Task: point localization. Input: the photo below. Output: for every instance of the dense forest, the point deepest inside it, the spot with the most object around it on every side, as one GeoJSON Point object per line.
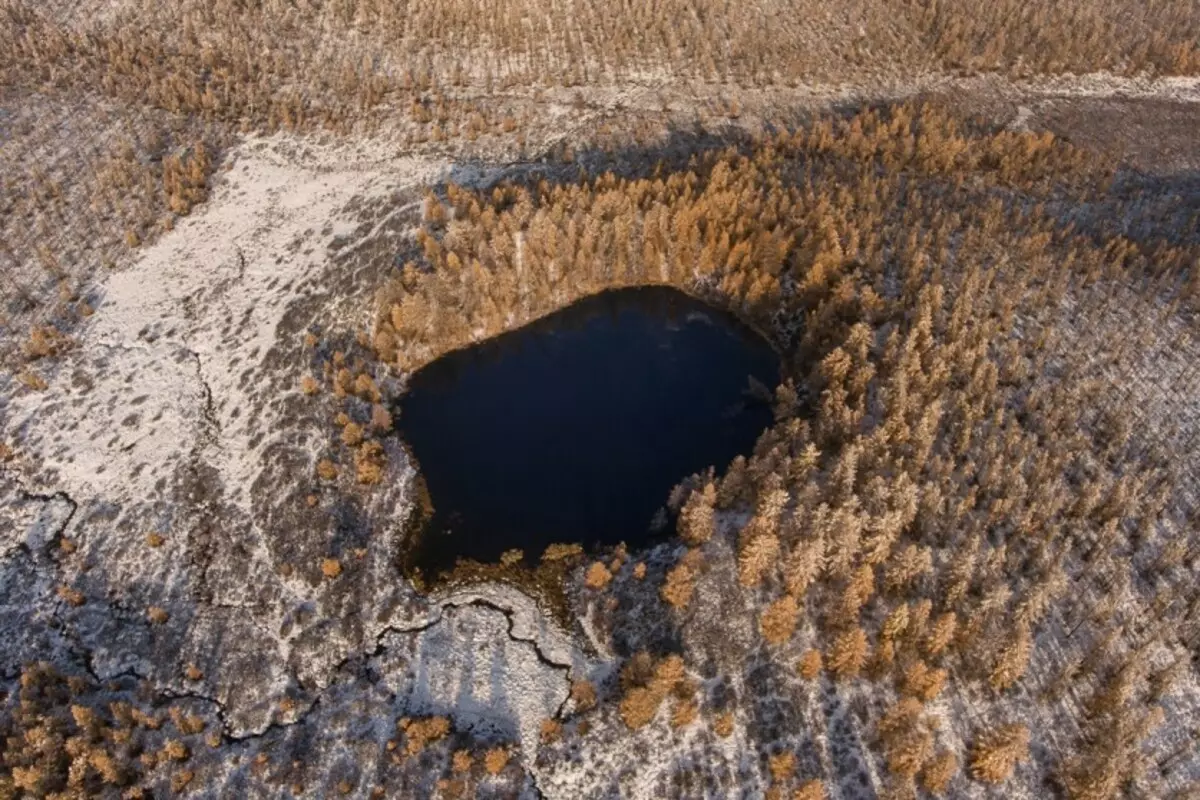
{"type": "Point", "coordinates": [943, 490]}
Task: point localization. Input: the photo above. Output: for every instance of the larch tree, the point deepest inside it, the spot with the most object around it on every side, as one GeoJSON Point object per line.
{"type": "Point", "coordinates": [1013, 659]}
{"type": "Point", "coordinates": [997, 751]}
{"type": "Point", "coordinates": [696, 519]}
{"type": "Point", "coordinates": [848, 654]}
{"type": "Point", "coordinates": [778, 620]}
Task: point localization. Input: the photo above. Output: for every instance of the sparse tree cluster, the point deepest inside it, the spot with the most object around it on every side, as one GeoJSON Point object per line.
{"type": "Point", "coordinates": [647, 683]}
{"type": "Point", "coordinates": [66, 737]}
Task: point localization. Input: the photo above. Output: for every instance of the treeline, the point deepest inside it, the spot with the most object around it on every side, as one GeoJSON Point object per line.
{"type": "Point", "coordinates": [942, 487]}
{"type": "Point", "coordinates": [802, 210]}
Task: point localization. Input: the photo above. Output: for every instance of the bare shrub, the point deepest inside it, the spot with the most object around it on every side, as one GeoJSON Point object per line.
{"type": "Point", "coordinates": [72, 597]}
{"type": "Point", "coordinates": [33, 381]}
{"type": "Point", "coordinates": [46, 341]}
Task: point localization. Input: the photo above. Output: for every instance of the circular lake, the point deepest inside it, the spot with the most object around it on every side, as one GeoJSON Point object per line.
{"type": "Point", "coordinates": [575, 427]}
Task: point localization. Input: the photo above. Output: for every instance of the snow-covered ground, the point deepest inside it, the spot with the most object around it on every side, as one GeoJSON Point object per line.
{"type": "Point", "coordinates": [179, 413]}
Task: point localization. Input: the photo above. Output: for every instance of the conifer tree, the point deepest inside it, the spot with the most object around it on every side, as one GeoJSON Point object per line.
{"type": "Point", "coordinates": [1013, 659]}
{"type": "Point", "coordinates": [696, 523]}
{"type": "Point", "coordinates": [778, 620]}
{"type": "Point", "coordinates": [848, 654]}
{"type": "Point", "coordinates": [938, 772]}
{"type": "Point", "coordinates": [997, 751]}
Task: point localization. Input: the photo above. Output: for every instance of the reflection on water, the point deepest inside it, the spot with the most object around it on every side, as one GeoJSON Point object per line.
{"type": "Point", "coordinates": [575, 427]}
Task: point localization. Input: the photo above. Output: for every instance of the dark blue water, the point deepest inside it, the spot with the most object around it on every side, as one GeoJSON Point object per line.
{"type": "Point", "coordinates": [576, 427]}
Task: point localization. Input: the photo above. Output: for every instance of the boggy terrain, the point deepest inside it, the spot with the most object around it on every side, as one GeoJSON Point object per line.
{"type": "Point", "coordinates": [960, 562]}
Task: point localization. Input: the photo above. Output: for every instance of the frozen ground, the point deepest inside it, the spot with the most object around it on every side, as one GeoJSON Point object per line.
{"type": "Point", "coordinates": [179, 413]}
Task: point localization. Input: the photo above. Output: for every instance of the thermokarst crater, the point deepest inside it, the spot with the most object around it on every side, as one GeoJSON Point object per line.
{"type": "Point", "coordinates": [575, 428]}
{"type": "Point", "coordinates": [576, 400]}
